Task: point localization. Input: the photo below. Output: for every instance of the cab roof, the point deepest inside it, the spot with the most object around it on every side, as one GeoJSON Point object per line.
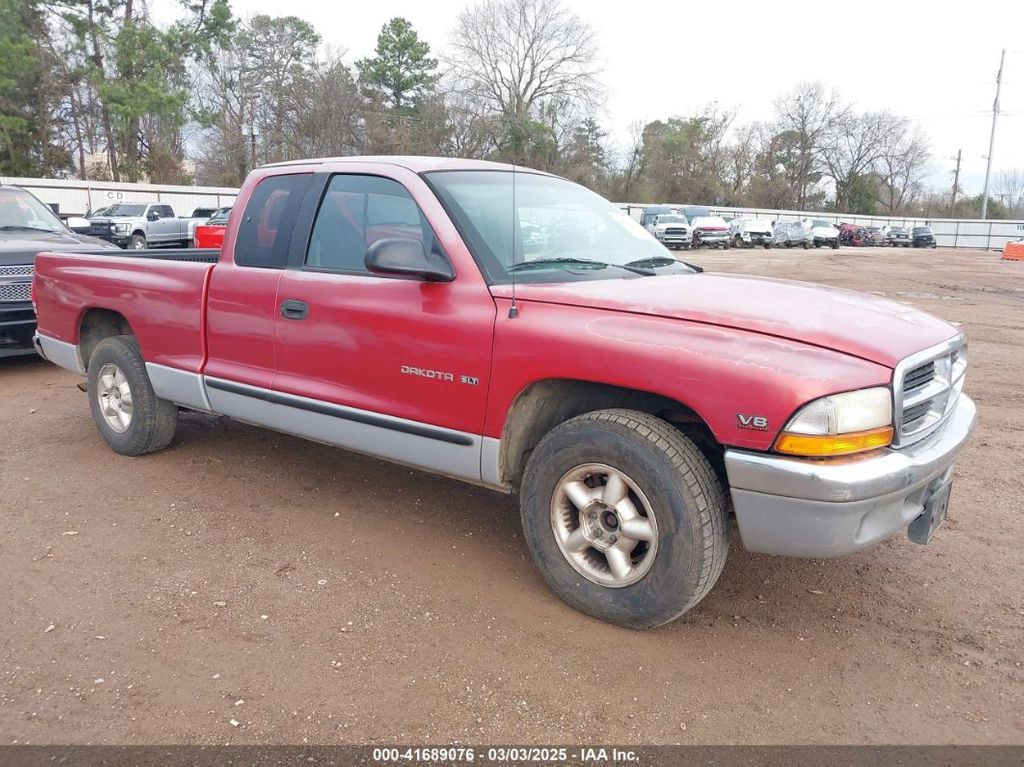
{"type": "Point", "coordinates": [415, 163]}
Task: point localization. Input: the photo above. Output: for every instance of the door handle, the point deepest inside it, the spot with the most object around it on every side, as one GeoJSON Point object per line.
{"type": "Point", "coordinates": [294, 310]}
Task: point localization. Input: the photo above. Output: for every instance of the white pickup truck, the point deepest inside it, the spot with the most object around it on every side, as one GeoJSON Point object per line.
{"type": "Point", "coordinates": [141, 225]}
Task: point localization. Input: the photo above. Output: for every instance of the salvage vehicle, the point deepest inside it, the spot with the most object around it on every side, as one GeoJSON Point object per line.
{"type": "Point", "coordinates": [651, 213]}
{"type": "Point", "coordinates": [749, 232]}
{"type": "Point", "coordinates": [710, 231]}
{"type": "Point", "coordinates": [211, 233]}
{"type": "Point", "coordinates": [898, 236]}
{"type": "Point", "coordinates": [824, 233]}
{"type": "Point", "coordinates": [876, 235]}
{"type": "Point", "coordinates": [923, 237]}
{"type": "Point", "coordinates": [26, 227]}
{"type": "Point", "coordinates": [139, 225]}
{"type": "Point", "coordinates": [853, 234]}
{"type": "Point", "coordinates": [386, 306]}
{"type": "Point", "coordinates": [792, 234]}
{"type": "Point", "coordinates": [673, 231]}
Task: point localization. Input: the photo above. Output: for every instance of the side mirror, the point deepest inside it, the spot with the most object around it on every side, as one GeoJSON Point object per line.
{"type": "Point", "coordinates": [407, 258]}
{"type": "Point", "coordinates": [78, 225]}
{"type": "Point", "coordinates": [152, 216]}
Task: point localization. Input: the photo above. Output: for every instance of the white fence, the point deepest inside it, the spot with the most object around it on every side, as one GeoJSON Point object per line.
{"type": "Point", "coordinates": [76, 198]}
{"type": "Point", "coordinates": [949, 232]}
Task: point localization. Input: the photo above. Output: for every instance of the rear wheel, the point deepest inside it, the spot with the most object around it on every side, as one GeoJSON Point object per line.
{"type": "Point", "coordinates": [806, 245]}
{"type": "Point", "coordinates": [624, 517]}
{"type": "Point", "coordinates": [128, 414]}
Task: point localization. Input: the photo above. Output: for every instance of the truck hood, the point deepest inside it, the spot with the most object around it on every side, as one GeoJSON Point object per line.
{"type": "Point", "coordinates": [859, 324]}
{"type": "Point", "coordinates": [21, 247]}
{"type": "Point", "coordinates": [757, 229]}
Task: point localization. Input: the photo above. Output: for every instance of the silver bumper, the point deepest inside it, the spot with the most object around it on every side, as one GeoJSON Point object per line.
{"type": "Point", "coordinates": [826, 508]}
{"type": "Point", "coordinates": [59, 353]}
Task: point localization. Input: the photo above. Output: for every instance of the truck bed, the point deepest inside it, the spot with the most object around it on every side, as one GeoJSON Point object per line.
{"type": "Point", "coordinates": [161, 293]}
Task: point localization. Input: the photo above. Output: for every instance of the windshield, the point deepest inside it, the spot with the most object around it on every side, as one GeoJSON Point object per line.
{"type": "Point", "coordinates": [922, 230]}
{"type": "Point", "coordinates": [671, 220]}
{"type": "Point", "coordinates": [570, 232]}
{"type": "Point", "coordinates": [899, 230]}
{"type": "Point", "coordinates": [20, 210]}
{"type": "Point", "coordinates": [819, 222]}
{"type": "Point", "coordinates": [220, 217]}
{"type": "Point", "coordinates": [124, 209]}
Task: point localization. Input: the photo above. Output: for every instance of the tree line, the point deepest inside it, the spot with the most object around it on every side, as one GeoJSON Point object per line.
{"type": "Point", "coordinates": [93, 89]}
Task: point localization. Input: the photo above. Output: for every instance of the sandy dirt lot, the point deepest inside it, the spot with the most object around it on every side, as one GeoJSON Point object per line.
{"type": "Point", "coordinates": [312, 595]}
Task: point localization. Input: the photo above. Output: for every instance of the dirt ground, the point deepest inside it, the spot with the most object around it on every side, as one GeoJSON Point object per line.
{"type": "Point", "coordinates": [312, 595]}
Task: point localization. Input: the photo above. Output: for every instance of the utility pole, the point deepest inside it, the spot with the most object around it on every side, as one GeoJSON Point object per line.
{"type": "Point", "coordinates": [956, 182]}
{"type": "Point", "coordinates": [992, 137]}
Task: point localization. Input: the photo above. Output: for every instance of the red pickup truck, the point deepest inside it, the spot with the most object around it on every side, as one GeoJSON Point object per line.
{"type": "Point", "coordinates": [512, 329]}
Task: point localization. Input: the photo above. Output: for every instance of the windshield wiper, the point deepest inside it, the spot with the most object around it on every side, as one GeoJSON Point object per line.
{"type": "Point", "coordinates": [587, 263]}
{"type": "Point", "coordinates": [20, 228]}
{"type": "Point", "coordinates": [654, 261]}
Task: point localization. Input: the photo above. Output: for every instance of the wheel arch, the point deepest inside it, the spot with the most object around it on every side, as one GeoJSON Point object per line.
{"type": "Point", "coordinates": [545, 404]}
{"type": "Point", "coordinates": [97, 324]}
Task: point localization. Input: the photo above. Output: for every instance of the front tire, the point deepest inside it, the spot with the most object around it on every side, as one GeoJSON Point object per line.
{"type": "Point", "coordinates": [138, 242]}
{"type": "Point", "coordinates": [128, 414]}
{"type": "Point", "coordinates": [624, 517]}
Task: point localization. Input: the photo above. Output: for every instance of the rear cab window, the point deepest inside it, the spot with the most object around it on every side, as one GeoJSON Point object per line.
{"type": "Point", "coordinates": [265, 231]}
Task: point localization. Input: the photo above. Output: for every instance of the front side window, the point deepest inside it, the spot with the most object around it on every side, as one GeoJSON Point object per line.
{"type": "Point", "coordinates": [357, 211]}
{"type": "Point", "coordinates": [545, 229]}
{"type": "Point", "coordinates": [265, 232]}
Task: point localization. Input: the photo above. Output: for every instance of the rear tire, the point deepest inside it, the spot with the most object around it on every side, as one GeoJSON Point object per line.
{"type": "Point", "coordinates": [667, 492]}
{"type": "Point", "coordinates": [806, 245]}
{"type": "Point", "coordinates": [128, 414]}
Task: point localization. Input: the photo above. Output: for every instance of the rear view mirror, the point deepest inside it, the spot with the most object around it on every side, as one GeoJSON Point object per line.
{"type": "Point", "coordinates": [407, 258]}
{"type": "Point", "coordinates": [78, 225]}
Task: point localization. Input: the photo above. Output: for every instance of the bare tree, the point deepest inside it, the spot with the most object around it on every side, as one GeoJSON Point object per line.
{"type": "Point", "coordinates": [852, 146]}
{"type": "Point", "coordinates": [903, 166]}
{"type": "Point", "coordinates": [522, 57]}
{"type": "Point", "coordinates": [807, 114]}
{"type": "Point", "coordinates": [1010, 191]}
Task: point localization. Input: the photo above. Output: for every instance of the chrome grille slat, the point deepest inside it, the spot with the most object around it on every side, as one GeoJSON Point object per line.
{"type": "Point", "coordinates": [925, 388]}
{"type": "Point", "coordinates": [16, 283]}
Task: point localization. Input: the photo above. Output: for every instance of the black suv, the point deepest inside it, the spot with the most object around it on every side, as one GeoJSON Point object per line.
{"type": "Point", "coordinates": [923, 237]}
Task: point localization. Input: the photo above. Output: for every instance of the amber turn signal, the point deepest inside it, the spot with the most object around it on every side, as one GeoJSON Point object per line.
{"type": "Point", "coordinates": [828, 445]}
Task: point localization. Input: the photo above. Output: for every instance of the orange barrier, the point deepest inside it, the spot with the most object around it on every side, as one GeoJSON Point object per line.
{"type": "Point", "coordinates": [1014, 251]}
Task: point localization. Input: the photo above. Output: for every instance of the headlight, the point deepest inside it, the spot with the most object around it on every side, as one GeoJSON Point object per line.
{"type": "Point", "coordinates": [123, 228]}
{"type": "Point", "coordinates": [840, 424]}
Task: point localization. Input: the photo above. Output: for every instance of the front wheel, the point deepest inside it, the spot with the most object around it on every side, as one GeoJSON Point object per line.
{"type": "Point", "coordinates": [128, 414]}
{"type": "Point", "coordinates": [624, 517]}
{"type": "Point", "coordinates": [806, 245]}
{"type": "Point", "coordinates": [137, 242]}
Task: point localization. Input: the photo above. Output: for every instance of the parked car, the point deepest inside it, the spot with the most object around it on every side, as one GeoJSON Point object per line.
{"type": "Point", "coordinates": [98, 212]}
{"type": "Point", "coordinates": [673, 231]}
{"type": "Point", "coordinates": [792, 234]}
{"type": "Point", "coordinates": [26, 227]}
{"type": "Point", "coordinates": [824, 233]}
{"type": "Point", "coordinates": [625, 395]}
{"type": "Point", "coordinates": [651, 213]}
{"type": "Point", "coordinates": [139, 225]}
{"type": "Point", "coordinates": [923, 237]}
{"type": "Point", "coordinates": [852, 234]}
{"type": "Point", "coordinates": [749, 232]}
{"type": "Point", "coordinates": [898, 236]}
{"type": "Point", "coordinates": [211, 233]}
{"type": "Point", "coordinates": [710, 231]}
{"type": "Point", "coordinates": [876, 235]}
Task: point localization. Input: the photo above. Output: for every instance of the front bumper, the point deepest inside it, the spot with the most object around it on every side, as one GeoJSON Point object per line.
{"type": "Point", "coordinates": [17, 324]}
{"type": "Point", "coordinates": [826, 508]}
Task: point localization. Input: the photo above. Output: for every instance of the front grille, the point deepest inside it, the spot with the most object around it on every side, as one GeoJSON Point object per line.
{"type": "Point", "coordinates": [100, 230]}
{"type": "Point", "coordinates": [11, 292]}
{"type": "Point", "coordinates": [927, 386]}
{"type": "Point", "coordinates": [12, 289]}
{"type": "Point", "coordinates": [675, 231]}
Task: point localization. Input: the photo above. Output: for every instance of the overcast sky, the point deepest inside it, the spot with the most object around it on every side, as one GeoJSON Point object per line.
{"type": "Point", "coordinates": [932, 62]}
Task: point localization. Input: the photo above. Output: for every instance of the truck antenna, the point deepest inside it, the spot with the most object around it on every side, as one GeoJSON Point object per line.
{"type": "Point", "coordinates": [513, 310]}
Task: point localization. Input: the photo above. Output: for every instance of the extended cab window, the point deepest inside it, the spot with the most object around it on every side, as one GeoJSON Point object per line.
{"type": "Point", "coordinates": [165, 211]}
{"type": "Point", "coordinates": [266, 227]}
{"type": "Point", "coordinates": [355, 212]}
